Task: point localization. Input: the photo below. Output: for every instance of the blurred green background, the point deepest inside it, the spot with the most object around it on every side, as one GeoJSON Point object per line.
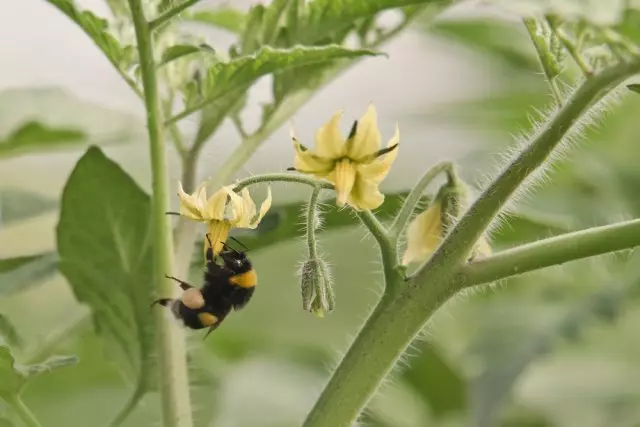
{"type": "Point", "coordinates": [557, 347]}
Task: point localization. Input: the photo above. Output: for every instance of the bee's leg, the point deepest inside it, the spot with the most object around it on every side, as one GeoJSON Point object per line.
{"type": "Point", "coordinates": [211, 329]}
{"type": "Point", "coordinates": [209, 254]}
{"type": "Point", "coordinates": [162, 301]}
{"type": "Point", "coordinates": [183, 285]}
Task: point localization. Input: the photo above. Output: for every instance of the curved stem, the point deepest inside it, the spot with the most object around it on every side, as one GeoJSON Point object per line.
{"type": "Point", "coordinates": [409, 205]}
{"type": "Point", "coordinates": [552, 251]}
{"type": "Point", "coordinates": [311, 222]}
{"type": "Point", "coordinates": [401, 315]}
{"type": "Point", "coordinates": [23, 411]}
{"type": "Point", "coordinates": [282, 177]}
{"type": "Point", "coordinates": [174, 383]}
{"type": "Point", "coordinates": [464, 235]}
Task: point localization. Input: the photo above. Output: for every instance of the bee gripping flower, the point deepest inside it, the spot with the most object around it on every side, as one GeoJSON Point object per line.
{"type": "Point", "coordinates": [224, 210]}
{"type": "Point", "coordinates": [317, 288]}
{"type": "Point", "coordinates": [355, 165]}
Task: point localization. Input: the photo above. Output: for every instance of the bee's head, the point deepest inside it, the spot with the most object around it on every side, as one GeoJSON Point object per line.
{"type": "Point", "coordinates": [234, 260]}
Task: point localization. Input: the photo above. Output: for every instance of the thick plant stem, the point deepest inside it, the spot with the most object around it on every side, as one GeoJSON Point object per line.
{"type": "Point", "coordinates": [22, 411]}
{"type": "Point", "coordinates": [174, 383]}
{"type": "Point", "coordinates": [464, 235]}
{"type": "Point", "coordinates": [553, 251]}
{"type": "Point", "coordinates": [399, 318]}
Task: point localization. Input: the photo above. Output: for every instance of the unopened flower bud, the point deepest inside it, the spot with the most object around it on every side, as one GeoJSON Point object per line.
{"type": "Point", "coordinates": [428, 228]}
{"type": "Point", "coordinates": [316, 287]}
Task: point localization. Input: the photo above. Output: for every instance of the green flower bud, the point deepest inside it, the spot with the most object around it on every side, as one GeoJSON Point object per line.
{"type": "Point", "coordinates": [316, 287]}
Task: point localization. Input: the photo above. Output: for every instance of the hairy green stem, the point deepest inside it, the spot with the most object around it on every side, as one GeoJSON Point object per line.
{"type": "Point", "coordinates": [552, 251]}
{"type": "Point", "coordinates": [397, 320]}
{"type": "Point", "coordinates": [569, 45]}
{"type": "Point", "coordinates": [174, 383]}
{"type": "Point", "coordinates": [464, 235]}
{"type": "Point", "coordinates": [282, 177]}
{"type": "Point", "coordinates": [311, 222]}
{"type": "Point", "coordinates": [166, 16]}
{"type": "Point", "coordinates": [25, 414]}
{"type": "Point", "coordinates": [409, 205]}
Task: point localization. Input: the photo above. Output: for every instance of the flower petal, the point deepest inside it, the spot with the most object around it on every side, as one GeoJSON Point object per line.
{"type": "Point", "coordinates": [423, 235]}
{"type": "Point", "coordinates": [215, 206]}
{"type": "Point", "coordinates": [218, 233]}
{"type": "Point", "coordinates": [329, 140]}
{"type": "Point", "coordinates": [365, 194]}
{"type": "Point", "coordinates": [191, 204]}
{"type": "Point", "coordinates": [237, 206]}
{"type": "Point", "coordinates": [308, 162]}
{"type": "Point", "coordinates": [344, 176]}
{"type": "Point", "coordinates": [248, 210]}
{"type": "Point", "coordinates": [379, 168]}
{"type": "Point", "coordinates": [367, 137]}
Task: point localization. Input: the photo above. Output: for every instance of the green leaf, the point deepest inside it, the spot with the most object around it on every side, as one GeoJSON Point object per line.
{"type": "Point", "coordinates": [178, 51]}
{"type": "Point", "coordinates": [226, 18]}
{"type": "Point", "coordinates": [598, 12]}
{"type": "Point", "coordinates": [239, 73]}
{"type": "Point", "coordinates": [271, 19]}
{"type": "Point", "coordinates": [35, 136]}
{"type": "Point", "coordinates": [98, 30]}
{"type": "Point", "coordinates": [634, 87]}
{"type": "Point", "coordinates": [5, 423]}
{"type": "Point", "coordinates": [18, 205]}
{"type": "Point", "coordinates": [249, 40]}
{"type": "Point", "coordinates": [21, 273]}
{"type": "Point", "coordinates": [9, 332]}
{"type": "Point", "coordinates": [323, 19]}
{"type": "Point", "coordinates": [499, 39]}
{"type": "Point", "coordinates": [14, 377]}
{"type": "Point", "coordinates": [104, 241]}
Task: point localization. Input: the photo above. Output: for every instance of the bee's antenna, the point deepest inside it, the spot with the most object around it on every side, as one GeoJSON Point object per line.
{"type": "Point", "coordinates": [172, 213]}
{"type": "Point", "coordinates": [246, 249]}
{"type": "Point", "coordinates": [224, 245]}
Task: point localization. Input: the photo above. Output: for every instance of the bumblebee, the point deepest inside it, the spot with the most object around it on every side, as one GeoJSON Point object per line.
{"type": "Point", "coordinates": [226, 287]}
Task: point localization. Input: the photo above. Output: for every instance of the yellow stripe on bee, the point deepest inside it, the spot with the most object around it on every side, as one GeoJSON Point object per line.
{"type": "Point", "coordinates": [245, 280]}
{"type": "Point", "coordinates": [207, 319]}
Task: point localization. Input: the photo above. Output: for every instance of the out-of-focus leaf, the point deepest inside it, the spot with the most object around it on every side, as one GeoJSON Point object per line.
{"type": "Point", "coordinates": [8, 332]}
{"type": "Point", "coordinates": [178, 51]}
{"type": "Point", "coordinates": [214, 114]}
{"type": "Point", "coordinates": [432, 378]}
{"type": "Point", "coordinates": [226, 18]}
{"type": "Point", "coordinates": [18, 205]}
{"type": "Point", "coordinates": [35, 136]}
{"type": "Point", "coordinates": [21, 273]}
{"type": "Point", "coordinates": [502, 40]}
{"type": "Point", "coordinates": [14, 377]}
{"type": "Point", "coordinates": [104, 241]}
{"type": "Point", "coordinates": [323, 18]}
{"type": "Point", "coordinates": [5, 423]}
{"type": "Point", "coordinates": [57, 109]}
{"type": "Point", "coordinates": [491, 388]}
{"type": "Point", "coordinates": [98, 30]}
{"type": "Point", "coordinates": [224, 78]}
{"type": "Point", "coordinates": [635, 87]}
{"type": "Point", "coordinates": [604, 13]}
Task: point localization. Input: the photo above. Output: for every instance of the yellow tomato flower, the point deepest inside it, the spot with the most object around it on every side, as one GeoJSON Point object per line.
{"type": "Point", "coordinates": [425, 232]}
{"type": "Point", "coordinates": [356, 166]}
{"type": "Point", "coordinates": [224, 210]}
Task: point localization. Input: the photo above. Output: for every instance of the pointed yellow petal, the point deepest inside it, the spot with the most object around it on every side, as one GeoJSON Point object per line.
{"type": "Point", "coordinates": [309, 162]}
{"type": "Point", "coordinates": [215, 206]}
{"type": "Point", "coordinates": [329, 140]}
{"type": "Point", "coordinates": [365, 195]}
{"type": "Point", "coordinates": [367, 138]}
{"type": "Point", "coordinates": [237, 206]}
{"type": "Point", "coordinates": [264, 208]}
{"type": "Point", "coordinates": [423, 235]}
{"type": "Point", "coordinates": [344, 177]}
{"type": "Point", "coordinates": [191, 204]}
{"type": "Point", "coordinates": [218, 233]}
{"type": "Point", "coordinates": [248, 210]}
{"type": "Point", "coordinates": [379, 168]}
